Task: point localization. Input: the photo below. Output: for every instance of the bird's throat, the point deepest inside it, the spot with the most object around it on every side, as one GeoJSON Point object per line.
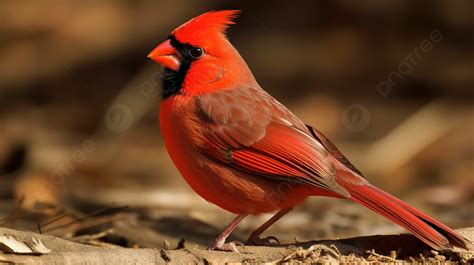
{"type": "Point", "coordinates": [173, 81]}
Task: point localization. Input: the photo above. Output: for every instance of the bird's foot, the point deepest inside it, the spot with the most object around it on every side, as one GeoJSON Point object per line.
{"type": "Point", "coordinates": [266, 241]}
{"type": "Point", "coordinates": [231, 246]}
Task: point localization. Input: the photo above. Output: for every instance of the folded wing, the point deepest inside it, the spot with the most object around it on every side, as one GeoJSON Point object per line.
{"type": "Point", "coordinates": [248, 137]}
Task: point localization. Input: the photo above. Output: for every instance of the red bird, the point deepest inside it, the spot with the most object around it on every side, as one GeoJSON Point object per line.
{"type": "Point", "coordinates": [242, 150]}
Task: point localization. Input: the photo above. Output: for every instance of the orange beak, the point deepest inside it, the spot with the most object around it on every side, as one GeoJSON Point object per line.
{"type": "Point", "coordinates": [166, 55]}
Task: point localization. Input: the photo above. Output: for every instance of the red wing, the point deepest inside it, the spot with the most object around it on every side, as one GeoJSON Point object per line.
{"type": "Point", "coordinates": [332, 149]}
{"type": "Point", "coordinates": [266, 147]}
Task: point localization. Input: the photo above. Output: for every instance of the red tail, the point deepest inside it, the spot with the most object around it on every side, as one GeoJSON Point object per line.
{"type": "Point", "coordinates": [430, 231]}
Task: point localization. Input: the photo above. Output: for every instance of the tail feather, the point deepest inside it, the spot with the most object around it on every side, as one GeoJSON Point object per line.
{"type": "Point", "coordinates": [430, 231]}
{"type": "Point", "coordinates": [453, 237]}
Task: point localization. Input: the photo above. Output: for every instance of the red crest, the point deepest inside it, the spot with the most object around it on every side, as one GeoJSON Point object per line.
{"type": "Point", "coordinates": [205, 27]}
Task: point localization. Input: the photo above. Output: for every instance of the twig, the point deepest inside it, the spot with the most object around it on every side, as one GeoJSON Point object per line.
{"type": "Point", "coordinates": [383, 257]}
{"type": "Point", "coordinates": [101, 211]}
{"type": "Point", "coordinates": [94, 237]}
{"type": "Point", "coordinates": [59, 216]}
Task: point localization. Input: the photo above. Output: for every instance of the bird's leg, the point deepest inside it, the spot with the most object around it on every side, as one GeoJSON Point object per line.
{"type": "Point", "coordinates": [219, 243]}
{"type": "Point", "coordinates": [254, 238]}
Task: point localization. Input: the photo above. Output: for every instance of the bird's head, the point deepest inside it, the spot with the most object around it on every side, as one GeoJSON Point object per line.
{"type": "Point", "coordinates": [198, 57]}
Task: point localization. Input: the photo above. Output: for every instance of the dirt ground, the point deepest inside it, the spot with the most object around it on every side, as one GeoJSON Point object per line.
{"type": "Point", "coordinates": [372, 249]}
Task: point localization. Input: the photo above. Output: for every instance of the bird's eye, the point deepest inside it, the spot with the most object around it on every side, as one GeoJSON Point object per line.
{"type": "Point", "coordinates": [196, 52]}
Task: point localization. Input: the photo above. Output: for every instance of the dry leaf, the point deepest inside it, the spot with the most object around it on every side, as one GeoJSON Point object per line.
{"type": "Point", "coordinates": [38, 247]}
{"type": "Point", "coordinates": [10, 244]}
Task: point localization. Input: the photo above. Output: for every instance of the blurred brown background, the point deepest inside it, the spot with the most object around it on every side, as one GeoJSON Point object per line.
{"type": "Point", "coordinates": [390, 82]}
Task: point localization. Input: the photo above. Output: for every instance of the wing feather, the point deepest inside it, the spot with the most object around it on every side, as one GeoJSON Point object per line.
{"type": "Point", "coordinates": [268, 146]}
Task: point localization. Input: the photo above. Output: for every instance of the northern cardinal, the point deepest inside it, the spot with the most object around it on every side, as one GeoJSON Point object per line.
{"type": "Point", "coordinates": [241, 149]}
